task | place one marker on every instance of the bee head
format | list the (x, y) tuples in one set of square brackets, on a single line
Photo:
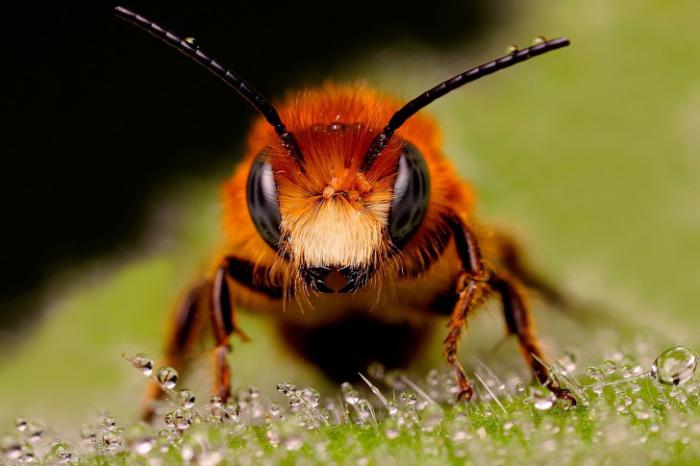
[(334, 220)]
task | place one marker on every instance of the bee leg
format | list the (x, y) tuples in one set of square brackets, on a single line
[(223, 320), (185, 330), (519, 322), (472, 288)]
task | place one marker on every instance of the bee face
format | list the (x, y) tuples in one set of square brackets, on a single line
[(335, 223)]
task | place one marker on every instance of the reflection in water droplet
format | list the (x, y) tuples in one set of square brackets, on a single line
[(59, 453), (543, 400), (674, 366), (186, 398), (112, 440), (167, 377), (143, 363)]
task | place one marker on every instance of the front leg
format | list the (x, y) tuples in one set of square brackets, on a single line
[(224, 320), (472, 288), (210, 301)]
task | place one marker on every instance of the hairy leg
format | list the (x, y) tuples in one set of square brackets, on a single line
[(185, 331), (519, 323), (472, 289), (210, 301)]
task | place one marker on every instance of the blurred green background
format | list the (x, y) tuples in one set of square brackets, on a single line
[(591, 155)]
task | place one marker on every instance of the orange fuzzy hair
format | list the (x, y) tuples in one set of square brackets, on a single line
[(330, 210)]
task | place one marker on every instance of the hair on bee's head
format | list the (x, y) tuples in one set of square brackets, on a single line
[(188, 47)]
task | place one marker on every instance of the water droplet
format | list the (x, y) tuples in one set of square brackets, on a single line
[(27, 458), (59, 453), (112, 440), (391, 428), (143, 363), (186, 398), (609, 367), (34, 431), (364, 410), (512, 49), (289, 435), (88, 436), (674, 366), (286, 388), (253, 392), (310, 396), (350, 395), (167, 377), (539, 40), (294, 400), (109, 423), (21, 424), (142, 446), (408, 399), (432, 417), (376, 370), (191, 41), (543, 400), (182, 419)]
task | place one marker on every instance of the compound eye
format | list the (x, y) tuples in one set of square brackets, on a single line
[(263, 205), (411, 196)]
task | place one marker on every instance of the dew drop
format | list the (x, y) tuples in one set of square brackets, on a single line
[(350, 395), (391, 428), (112, 440), (21, 424), (310, 396), (186, 398), (191, 41), (143, 363), (543, 401), (674, 366), (59, 453), (539, 40), (109, 423), (167, 377), (27, 458), (376, 370), (286, 388), (182, 419), (143, 445), (289, 435), (34, 431), (432, 417), (511, 49)]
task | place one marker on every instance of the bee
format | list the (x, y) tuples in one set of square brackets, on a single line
[(346, 224)]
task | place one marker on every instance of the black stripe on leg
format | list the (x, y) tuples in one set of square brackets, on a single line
[(467, 246), (185, 317), (223, 315), (513, 311)]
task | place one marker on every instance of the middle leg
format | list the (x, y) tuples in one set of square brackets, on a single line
[(519, 322)]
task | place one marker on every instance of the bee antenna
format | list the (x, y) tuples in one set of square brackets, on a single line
[(240, 85), (412, 107)]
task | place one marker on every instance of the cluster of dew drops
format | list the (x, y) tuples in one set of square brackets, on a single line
[(386, 399)]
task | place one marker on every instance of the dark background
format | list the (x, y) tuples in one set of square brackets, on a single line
[(99, 114)]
